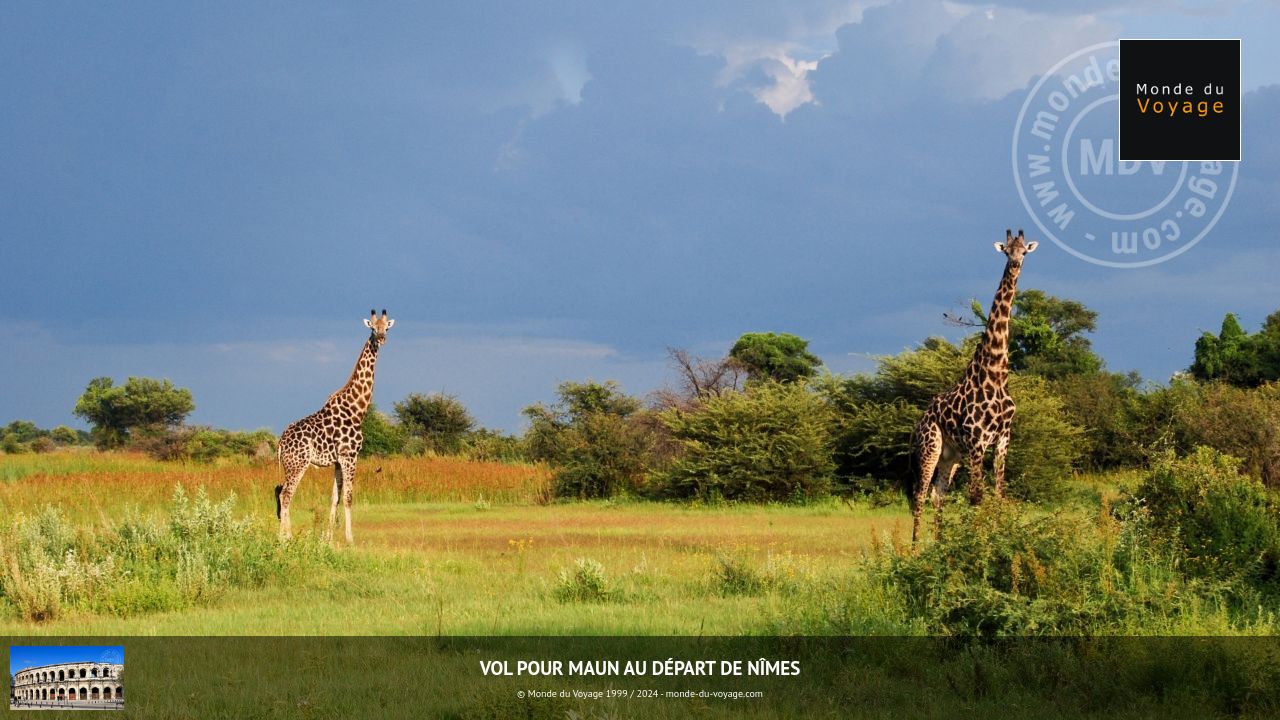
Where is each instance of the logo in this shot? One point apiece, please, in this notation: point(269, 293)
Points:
point(1180, 100)
point(1082, 196)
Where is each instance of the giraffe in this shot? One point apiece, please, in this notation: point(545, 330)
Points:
point(332, 435)
point(961, 424)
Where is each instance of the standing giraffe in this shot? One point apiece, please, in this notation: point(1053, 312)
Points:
point(332, 435)
point(975, 415)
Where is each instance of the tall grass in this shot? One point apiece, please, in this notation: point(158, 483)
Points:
point(50, 568)
point(89, 484)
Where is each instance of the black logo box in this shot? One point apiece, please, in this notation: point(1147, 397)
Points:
point(1187, 68)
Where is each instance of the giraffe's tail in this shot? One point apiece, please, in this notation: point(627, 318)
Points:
point(279, 489)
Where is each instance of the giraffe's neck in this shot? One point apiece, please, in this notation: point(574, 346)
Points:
point(357, 394)
point(992, 357)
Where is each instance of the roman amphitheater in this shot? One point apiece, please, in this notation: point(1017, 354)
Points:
point(78, 682)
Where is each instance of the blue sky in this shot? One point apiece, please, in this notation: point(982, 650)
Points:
point(22, 657)
point(549, 191)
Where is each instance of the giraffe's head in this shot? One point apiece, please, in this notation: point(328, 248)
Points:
point(1016, 248)
point(379, 325)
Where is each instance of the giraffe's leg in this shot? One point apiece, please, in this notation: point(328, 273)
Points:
point(977, 481)
point(333, 503)
point(945, 476)
point(928, 451)
point(284, 496)
point(348, 487)
point(1002, 449)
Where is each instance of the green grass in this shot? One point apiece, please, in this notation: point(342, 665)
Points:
point(449, 568)
point(432, 558)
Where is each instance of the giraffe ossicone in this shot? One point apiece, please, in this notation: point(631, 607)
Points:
point(332, 435)
point(976, 415)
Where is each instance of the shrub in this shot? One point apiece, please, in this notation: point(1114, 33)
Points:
point(64, 435)
point(492, 446)
point(734, 575)
point(1222, 524)
point(584, 582)
point(381, 436)
point(1044, 445)
point(1241, 422)
point(874, 416)
point(772, 442)
point(205, 444)
point(11, 445)
point(440, 420)
point(602, 456)
point(1002, 570)
point(1115, 417)
point(596, 438)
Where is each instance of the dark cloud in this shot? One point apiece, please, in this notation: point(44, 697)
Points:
point(175, 182)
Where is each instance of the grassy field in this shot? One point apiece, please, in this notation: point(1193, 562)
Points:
point(468, 561)
point(445, 546)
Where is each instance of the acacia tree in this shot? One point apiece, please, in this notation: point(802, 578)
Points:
point(115, 412)
point(775, 356)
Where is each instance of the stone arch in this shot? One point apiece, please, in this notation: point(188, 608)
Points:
point(84, 694)
point(83, 672)
point(95, 693)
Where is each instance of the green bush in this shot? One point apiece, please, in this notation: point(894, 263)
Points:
point(440, 420)
point(1241, 422)
point(874, 416)
point(772, 442)
point(1002, 569)
point(603, 455)
point(493, 446)
point(734, 575)
point(381, 436)
point(64, 435)
point(1119, 427)
point(1222, 524)
point(11, 445)
point(584, 582)
point(1044, 446)
point(205, 444)
point(595, 437)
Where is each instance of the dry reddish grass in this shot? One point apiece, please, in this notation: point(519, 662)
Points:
point(88, 483)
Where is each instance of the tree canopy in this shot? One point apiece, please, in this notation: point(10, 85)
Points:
point(781, 357)
point(1238, 357)
point(1047, 335)
point(441, 420)
point(115, 411)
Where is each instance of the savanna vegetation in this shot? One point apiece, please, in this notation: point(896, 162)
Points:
point(755, 494)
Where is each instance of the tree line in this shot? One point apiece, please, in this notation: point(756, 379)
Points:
point(766, 422)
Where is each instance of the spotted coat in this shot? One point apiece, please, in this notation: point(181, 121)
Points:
point(332, 435)
point(976, 415)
